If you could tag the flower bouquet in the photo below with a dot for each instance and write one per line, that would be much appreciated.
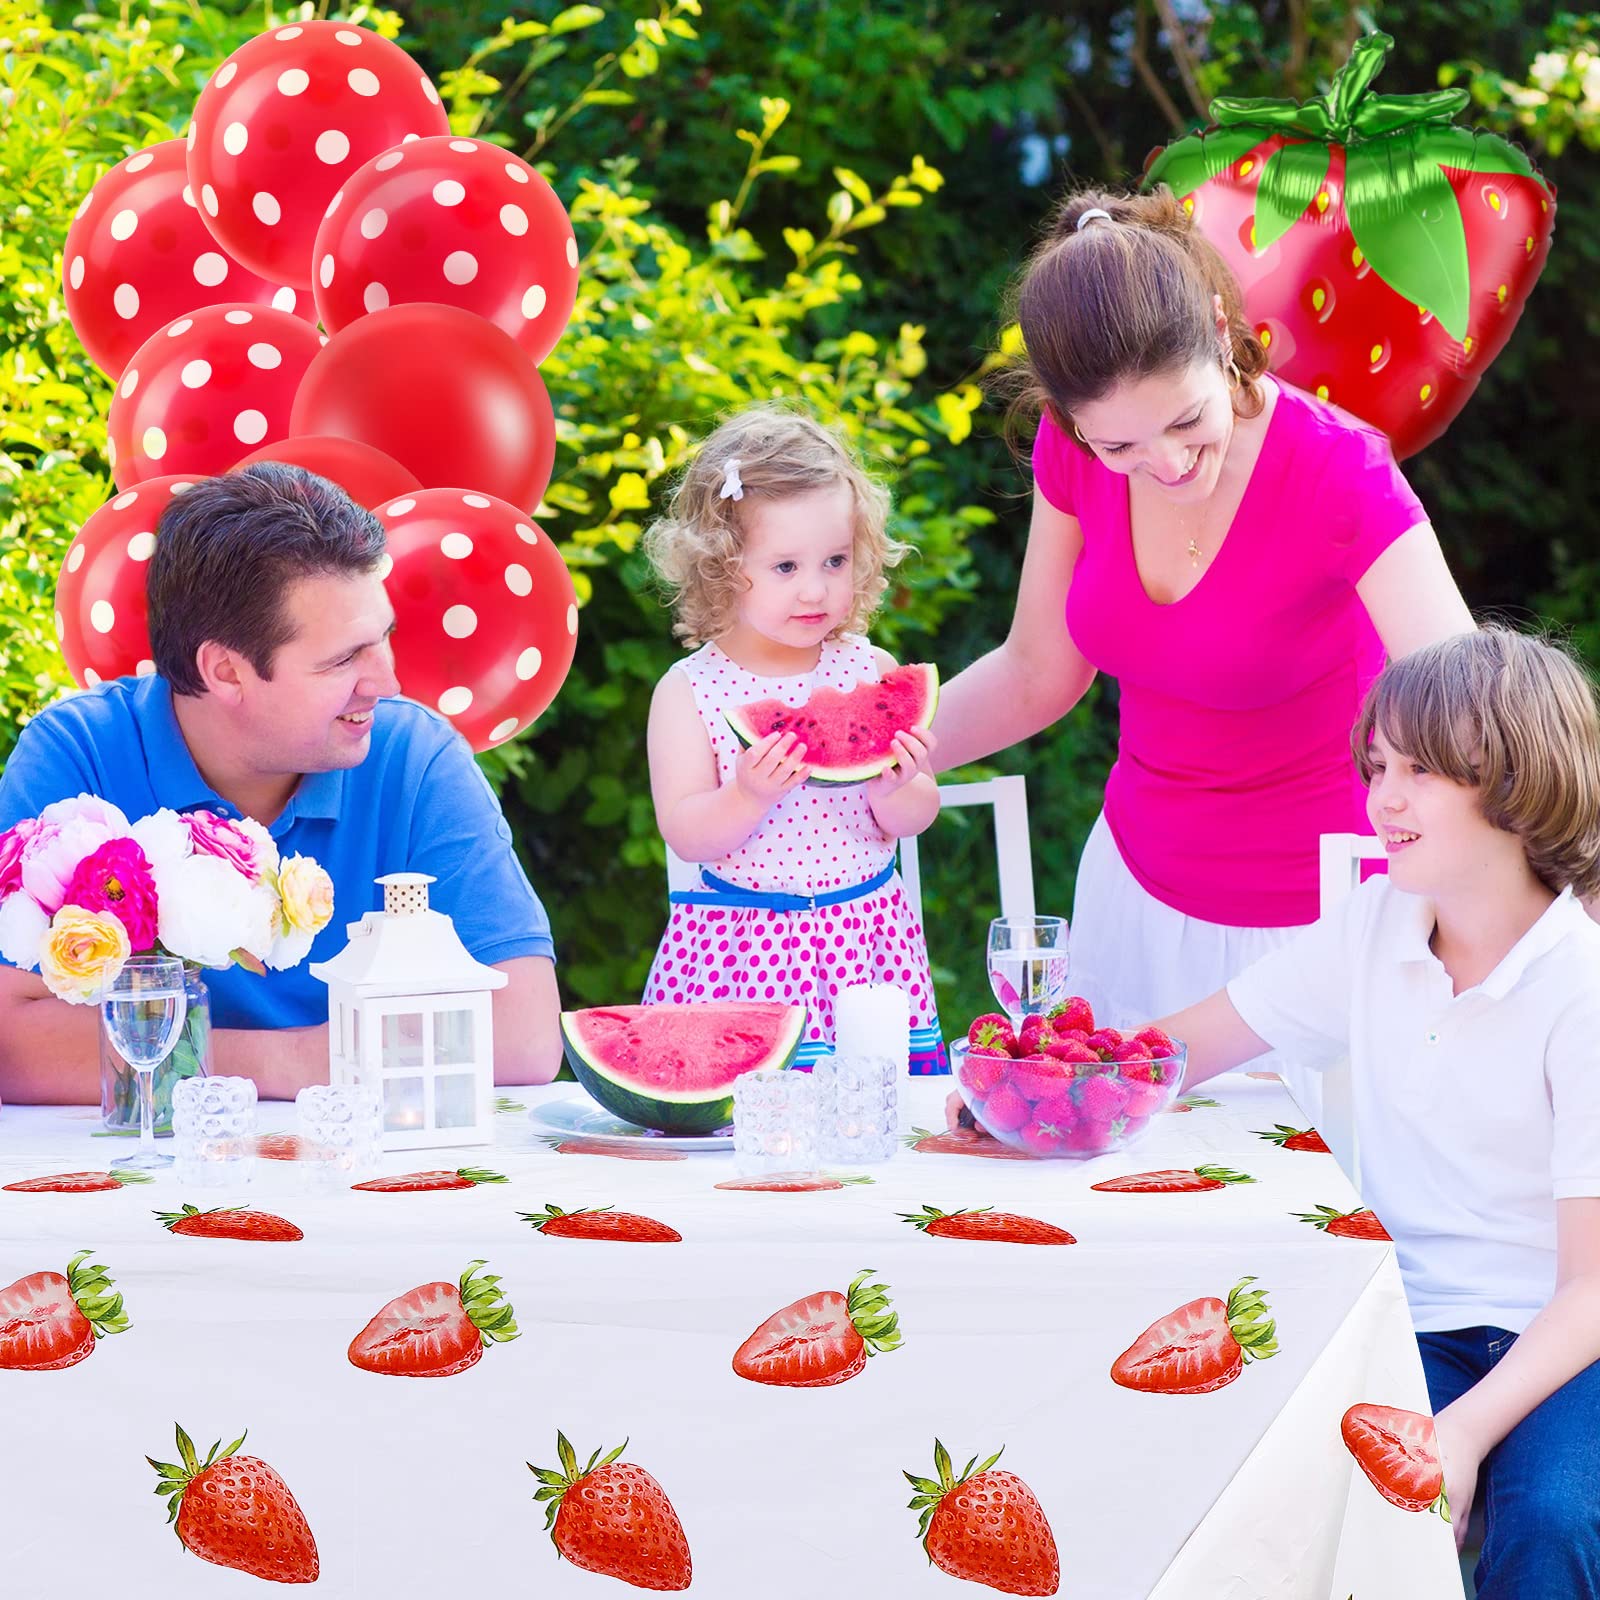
(82, 889)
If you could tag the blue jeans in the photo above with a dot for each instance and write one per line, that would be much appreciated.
(1540, 1486)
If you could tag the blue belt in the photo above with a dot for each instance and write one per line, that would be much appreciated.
(719, 892)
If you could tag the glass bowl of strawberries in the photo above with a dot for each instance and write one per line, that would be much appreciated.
(1060, 1086)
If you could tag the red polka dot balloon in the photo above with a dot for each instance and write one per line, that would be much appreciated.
(206, 390)
(284, 121)
(100, 600)
(138, 255)
(456, 221)
(446, 393)
(486, 620)
(368, 476)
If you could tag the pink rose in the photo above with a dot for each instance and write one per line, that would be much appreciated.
(11, 843)
(117, 878)
(212, 835)
(90, 808)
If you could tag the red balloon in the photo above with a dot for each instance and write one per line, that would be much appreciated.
(486, 620)
(285, 120)
(138, 254)
(100, 599)
(448, 395)
(455, 221)
(368, 476)
(206, 390)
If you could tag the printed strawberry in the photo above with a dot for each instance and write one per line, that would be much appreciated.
(437, 1329)
(1385, 253)
(1039, 1077)
(793, 1182)
(1359, 1224)
(284, 1147)
(1174, 1180)
(985, 1526)
(1005, 1110)
(618, 1152)
(1194, 1102)
(235, 1511)
(614, 1518)
(1103, 1041)
(1072, 1016)
(601, 1222)
(1003, 1227)
(1287, 1138)
(993, 1034)
(1399, 1454)
(230, 1222)
(1201, 1346)
(79, 1182)
(49, 1321)
(1101, 1099)
(962, 1142)
(1032, 1035)
(1074, 1052)
(1158, 1043)
(823, 1339)
(981, 1075)
(426, 1182)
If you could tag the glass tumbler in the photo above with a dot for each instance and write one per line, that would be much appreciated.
(858, 1109)
(342, 1123)
(774, 1122)
(213, 1124)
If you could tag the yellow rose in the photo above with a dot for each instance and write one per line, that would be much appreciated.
(81, 952)
(307, 893)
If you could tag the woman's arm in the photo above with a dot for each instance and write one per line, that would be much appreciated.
(1037, 676)
(1410, 595)
(1559, 1343)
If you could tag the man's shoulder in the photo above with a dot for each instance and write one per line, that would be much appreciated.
(408, 727)
(91, 717)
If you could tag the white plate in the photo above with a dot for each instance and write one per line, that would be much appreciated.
(579, 1117)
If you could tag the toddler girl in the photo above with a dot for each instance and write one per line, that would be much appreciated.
(774, 548)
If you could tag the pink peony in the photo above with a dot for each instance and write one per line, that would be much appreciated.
(117, 878)
(89, 808)
(212, 835)
(11, 843)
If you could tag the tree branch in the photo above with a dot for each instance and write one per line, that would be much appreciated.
(1147, 73)
(1183, 54)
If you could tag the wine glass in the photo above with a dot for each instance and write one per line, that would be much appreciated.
(1028, 964)
(143, 1008)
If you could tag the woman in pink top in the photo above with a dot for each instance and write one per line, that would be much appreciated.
(1240, 556)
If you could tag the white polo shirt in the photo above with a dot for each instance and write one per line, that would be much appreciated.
(1474, 1112)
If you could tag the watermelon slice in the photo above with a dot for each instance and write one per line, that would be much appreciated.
(672, 1067)
(847, 736)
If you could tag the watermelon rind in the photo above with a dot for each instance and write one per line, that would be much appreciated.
(842, 777)
(668, 1111)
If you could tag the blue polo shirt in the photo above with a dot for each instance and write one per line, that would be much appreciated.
(417, 803)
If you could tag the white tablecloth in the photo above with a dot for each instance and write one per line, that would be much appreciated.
(422, 1488)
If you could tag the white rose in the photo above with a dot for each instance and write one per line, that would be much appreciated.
(208, 911)
(163, 837)
(22, 925)
(290, 948)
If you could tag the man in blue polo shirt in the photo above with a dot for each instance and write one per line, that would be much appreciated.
(271, 699)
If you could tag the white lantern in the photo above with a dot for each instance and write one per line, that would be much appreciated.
(409, 1013)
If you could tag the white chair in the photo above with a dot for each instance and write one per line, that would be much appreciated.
(1008, 796)
(1340, 858)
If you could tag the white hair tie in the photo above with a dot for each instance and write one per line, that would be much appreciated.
(1091, 214)
(732, 486)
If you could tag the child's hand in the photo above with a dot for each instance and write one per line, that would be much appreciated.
(1461, 1458)
(913, 753)
(770, 768)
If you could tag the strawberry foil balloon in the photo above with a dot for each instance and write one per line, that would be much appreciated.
(1385, 254)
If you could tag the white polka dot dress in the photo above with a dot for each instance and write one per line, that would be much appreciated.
(812, 841)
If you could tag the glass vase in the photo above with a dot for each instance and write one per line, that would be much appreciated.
(190, 1057)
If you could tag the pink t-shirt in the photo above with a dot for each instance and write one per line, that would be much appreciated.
(1237, 700)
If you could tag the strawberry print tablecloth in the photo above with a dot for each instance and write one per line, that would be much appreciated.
(1171, 1395)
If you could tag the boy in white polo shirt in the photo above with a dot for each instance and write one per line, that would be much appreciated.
(1465, 987)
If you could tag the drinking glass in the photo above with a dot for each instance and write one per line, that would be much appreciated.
(858, 1112)
(774, 1122)
(212, 1123)
(1028, 964)
(142, 1009)
(342, 1125)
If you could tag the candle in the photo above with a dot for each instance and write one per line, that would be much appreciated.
(873, 1019)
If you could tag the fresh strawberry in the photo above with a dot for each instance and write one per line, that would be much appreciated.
(1090, 1138)
(1135, 1059)
(1103, 1041)
(822, 1339)
(79, 1182)
(1039, 1077)
(426, 1182)
(1174, 1180)
(1072, 1016)
(1145, 1099)
(284, 1147)
(1002, 1227)
(985, 1526)
(230, 1222)
(1201, 1346)
(1102, 1099)
(1005, 1110)
(1399, 1454)
(618, 1152)
(794, 1182)
(1043, 1136)
(1032, 1035)
(1158, 1043)
(437, 1329)
(1072, 1051)
(614, 1518)
(235, 1511)
(1132, 1125)
(1358, 1224)
(49, 1321)
(981, 1074)
(601, 1222)
(1385, 253)
(962, 1142)
(992, 1033)
(1287, 1138)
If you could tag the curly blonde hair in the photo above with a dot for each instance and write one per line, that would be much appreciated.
(697, 548)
